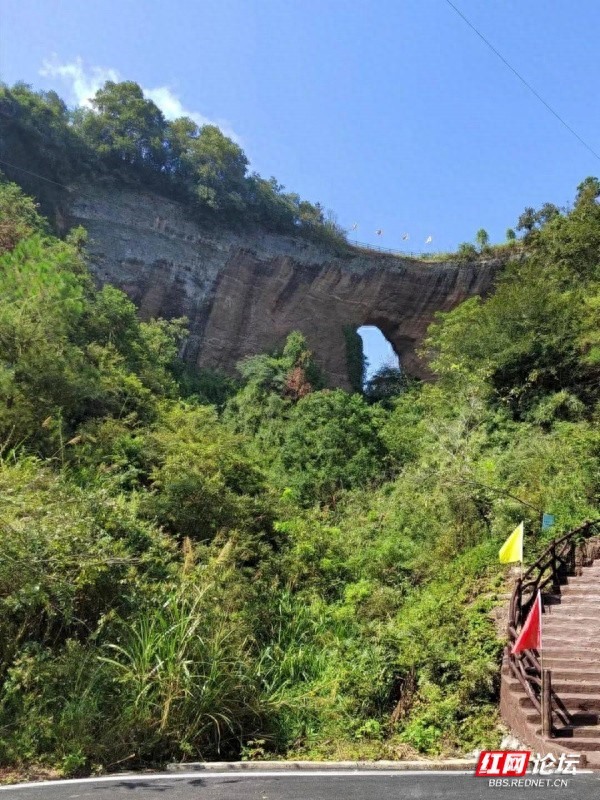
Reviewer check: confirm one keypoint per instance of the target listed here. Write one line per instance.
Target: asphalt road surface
(301, 786)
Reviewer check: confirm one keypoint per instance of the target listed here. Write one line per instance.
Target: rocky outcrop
(243, 293)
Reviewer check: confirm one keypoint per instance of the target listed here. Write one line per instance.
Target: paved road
(295, 786)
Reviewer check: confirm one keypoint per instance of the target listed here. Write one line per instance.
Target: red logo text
(502, 763)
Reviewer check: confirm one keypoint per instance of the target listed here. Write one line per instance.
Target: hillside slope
(196, 566)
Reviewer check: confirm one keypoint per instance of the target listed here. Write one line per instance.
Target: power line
(523, 81)
(34, 174)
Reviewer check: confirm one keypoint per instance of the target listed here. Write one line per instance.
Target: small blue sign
(547, 521)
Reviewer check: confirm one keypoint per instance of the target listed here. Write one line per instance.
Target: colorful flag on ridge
(530, 637)
(512, 549)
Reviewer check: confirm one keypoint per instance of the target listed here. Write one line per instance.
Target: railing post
(519, 596)
(547, 703)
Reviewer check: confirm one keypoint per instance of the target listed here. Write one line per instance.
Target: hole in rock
(378, 352)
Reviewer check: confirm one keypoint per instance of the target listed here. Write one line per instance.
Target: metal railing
(391, 251)
(546, 575)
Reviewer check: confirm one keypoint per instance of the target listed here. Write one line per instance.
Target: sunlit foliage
(200, 566)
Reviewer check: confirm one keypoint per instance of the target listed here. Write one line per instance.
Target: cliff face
(242, 294)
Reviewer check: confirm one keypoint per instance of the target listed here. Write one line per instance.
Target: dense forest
(199, 567)
(124, 135)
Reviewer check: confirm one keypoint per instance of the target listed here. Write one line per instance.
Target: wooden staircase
(571, 651)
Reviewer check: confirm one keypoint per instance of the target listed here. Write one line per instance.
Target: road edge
(448, 764)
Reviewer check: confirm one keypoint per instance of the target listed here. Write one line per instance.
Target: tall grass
(184, 682)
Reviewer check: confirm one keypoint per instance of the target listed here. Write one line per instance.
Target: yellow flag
(512, 549)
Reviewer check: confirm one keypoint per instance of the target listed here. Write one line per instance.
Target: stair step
(577, 719)
(589, 586)
(578, 732)
(564, 632)
(584, 743)
(576, 702)
(572, 601)
(556, 647)
(588, 621)
(560, 686)
(560, 651)
(565, 611)
(591, 568)
(572, 631)
(579, 655)
(580, 580)
(555, 642)
(582, 593)
(583, 676)
(566, 663)
(587, 581)
(570, 669)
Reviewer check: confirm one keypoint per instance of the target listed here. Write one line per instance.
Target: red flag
(530, 637)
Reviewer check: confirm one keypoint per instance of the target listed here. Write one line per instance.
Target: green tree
(531, 219)
(69, 352)
(330, 443)
(198, 165)
(124, 126)
(355, 358)
(180, 136)
(546, 213)
(385, 384)
(467, 251)
(38, 139)
(527, 220)
(219, 168)
(482, 238)
(202, 482)
(588, 191)
(19, 217)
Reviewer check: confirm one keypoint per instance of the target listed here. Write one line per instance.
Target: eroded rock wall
(243, 293)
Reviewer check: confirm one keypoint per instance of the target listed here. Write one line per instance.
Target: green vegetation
(483, 239)
(385, 385)
(355, 358)
(124, 136)
(194, 567)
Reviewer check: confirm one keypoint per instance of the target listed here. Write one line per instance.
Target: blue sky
(390, 112)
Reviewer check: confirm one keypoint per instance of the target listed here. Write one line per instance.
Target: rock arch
(243, 292)
(258, 302)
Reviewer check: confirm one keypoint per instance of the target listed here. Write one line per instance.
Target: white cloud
(82, 85)
(171, 105)
(83, 82)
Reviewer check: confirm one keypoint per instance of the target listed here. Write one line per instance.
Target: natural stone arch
(258, 302)
(243, 292)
